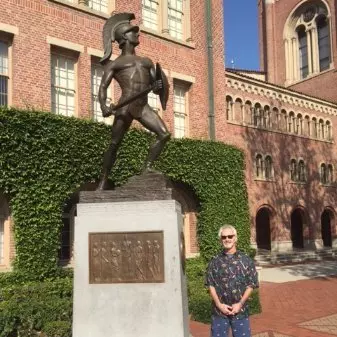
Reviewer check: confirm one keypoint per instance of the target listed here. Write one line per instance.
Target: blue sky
(241, 34)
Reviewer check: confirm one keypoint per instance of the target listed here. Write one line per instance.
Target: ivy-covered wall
(45, 158)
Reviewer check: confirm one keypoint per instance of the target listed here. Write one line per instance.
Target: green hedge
(29, 309)
(45, 158)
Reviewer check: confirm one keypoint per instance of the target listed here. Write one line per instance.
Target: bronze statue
(137, 76)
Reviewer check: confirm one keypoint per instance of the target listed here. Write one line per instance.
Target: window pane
(63, 85)
(179, 111)
(150, 14)
(3, 73)
(303, 50)
(96, 78)
(175, 18)
(323, 44)
(98, 5)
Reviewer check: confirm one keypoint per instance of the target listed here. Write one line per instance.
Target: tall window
(175, 18)
(259, 166)
(268, 168)
(4, 73)
(330, 177)
(326, 174)
(98, 5)
(323, 43)
(180, 110)
(150, 13)
(307, 41)
(293, 170)
(63, 85)
(303, 51)
(96, 77)
(152, 99)
(67, 235)
(301, 171)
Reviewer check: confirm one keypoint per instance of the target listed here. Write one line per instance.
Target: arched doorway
(297, 221)
(262, 222)
(327, 218)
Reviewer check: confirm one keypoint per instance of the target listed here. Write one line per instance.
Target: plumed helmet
(113, 30)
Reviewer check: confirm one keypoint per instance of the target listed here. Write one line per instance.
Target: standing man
(135, 75)
(231, 278)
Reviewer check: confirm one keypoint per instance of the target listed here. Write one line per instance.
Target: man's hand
(157, 86)
(236, 308)
(225, 309)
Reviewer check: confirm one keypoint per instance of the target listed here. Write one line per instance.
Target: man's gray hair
(232, 228)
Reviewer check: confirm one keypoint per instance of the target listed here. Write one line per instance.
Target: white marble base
(130, 309)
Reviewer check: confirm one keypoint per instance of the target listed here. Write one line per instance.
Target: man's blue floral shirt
(230, 275)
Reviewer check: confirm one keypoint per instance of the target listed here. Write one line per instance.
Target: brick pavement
(306, 308)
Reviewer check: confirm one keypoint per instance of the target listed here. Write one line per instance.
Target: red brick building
(49, 52)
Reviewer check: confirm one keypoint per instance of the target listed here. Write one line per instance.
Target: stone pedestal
(128, 277)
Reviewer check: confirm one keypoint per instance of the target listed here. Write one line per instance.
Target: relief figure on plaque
(115, 260)
(139, 258)
(106, 271)
(149, 259)
(96, 261)
(156, 257)
(127, 257)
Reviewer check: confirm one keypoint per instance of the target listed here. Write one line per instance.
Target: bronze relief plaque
(126, 257)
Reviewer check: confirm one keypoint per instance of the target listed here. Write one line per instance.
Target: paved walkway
(293, 308)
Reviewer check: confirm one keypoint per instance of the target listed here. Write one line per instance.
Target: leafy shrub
(26, 310)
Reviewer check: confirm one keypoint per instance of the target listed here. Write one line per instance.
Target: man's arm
(224, 308)
(238, 306)
(102, 93)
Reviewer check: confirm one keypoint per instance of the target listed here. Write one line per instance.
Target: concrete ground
(297, 301)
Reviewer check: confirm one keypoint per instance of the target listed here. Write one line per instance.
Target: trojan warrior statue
(136, 76)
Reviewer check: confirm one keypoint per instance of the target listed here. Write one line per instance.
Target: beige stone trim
(65, 44)
(183, 77)
(9, 29)
(266, 91)
(77, 4)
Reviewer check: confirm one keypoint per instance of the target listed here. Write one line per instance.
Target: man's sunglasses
(224, 237)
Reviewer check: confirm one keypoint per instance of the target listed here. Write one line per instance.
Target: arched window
(284, 120)
(307, 124)
(248, 112)
(259, 166)
(291, 120)
(303, 51)
(314, 127)
(329, 177)
(276, 119)
(293, 170)
(237, 111)
(328, 131)
(323, 174)
(229, 108)
(307, 41)
(301, 171)
(268, 171)
(299, 125)
(321, 129)
(323, 35)
(257, 115)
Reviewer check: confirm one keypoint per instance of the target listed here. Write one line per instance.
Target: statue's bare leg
(119, 128)
(151, 121)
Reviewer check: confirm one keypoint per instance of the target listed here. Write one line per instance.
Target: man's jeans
(220, 326)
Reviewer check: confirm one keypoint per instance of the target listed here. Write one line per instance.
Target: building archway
(297, 226)
(263, 232)
(327, 220)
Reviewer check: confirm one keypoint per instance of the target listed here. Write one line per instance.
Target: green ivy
(45, 158)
